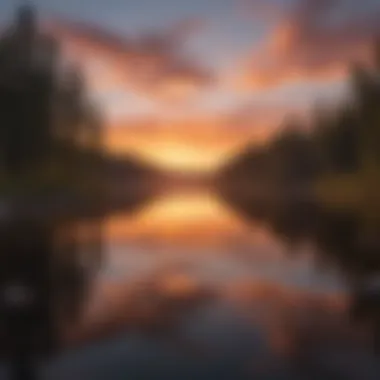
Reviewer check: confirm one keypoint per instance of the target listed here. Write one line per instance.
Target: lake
(192, 286)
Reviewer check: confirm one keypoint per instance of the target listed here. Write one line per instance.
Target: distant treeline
(336, 157)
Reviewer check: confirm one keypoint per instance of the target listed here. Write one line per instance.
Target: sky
(185, 84)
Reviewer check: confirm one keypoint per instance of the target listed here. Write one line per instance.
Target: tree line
(50, 130)
(337, 152)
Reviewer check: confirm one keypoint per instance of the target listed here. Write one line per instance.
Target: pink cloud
(155, 64)
(308, 43)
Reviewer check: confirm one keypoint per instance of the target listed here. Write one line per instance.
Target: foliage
(339, 155)
(47, 123)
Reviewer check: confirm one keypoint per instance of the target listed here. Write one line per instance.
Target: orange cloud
(154, 64)
(307, 44)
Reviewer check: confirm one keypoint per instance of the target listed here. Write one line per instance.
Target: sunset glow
(175, 154)
(273, 60)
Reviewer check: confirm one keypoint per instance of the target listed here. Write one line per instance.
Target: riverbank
(358, 192)
(66, 205)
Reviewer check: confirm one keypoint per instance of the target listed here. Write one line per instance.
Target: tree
(50, 130)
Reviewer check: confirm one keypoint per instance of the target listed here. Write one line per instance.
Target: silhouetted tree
(50, 130)
(344, 140)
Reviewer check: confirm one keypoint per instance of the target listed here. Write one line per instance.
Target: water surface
(191, 288)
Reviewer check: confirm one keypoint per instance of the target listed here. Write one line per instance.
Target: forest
(51, 130)
(334, 157)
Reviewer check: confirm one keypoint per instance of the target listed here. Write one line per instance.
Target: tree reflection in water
(344, 239)
(46, 269)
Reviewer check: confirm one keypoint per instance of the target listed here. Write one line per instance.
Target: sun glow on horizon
(179, 155)
(182, 146)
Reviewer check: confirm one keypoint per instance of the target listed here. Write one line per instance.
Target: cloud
(314, 39)
(259, 10)
(155, 64)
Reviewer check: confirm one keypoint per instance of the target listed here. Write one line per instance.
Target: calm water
(189, 288)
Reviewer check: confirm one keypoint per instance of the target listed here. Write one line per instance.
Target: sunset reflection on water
(188, 218)
(198, 229)
(190, 279)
